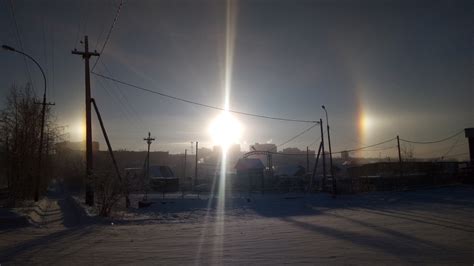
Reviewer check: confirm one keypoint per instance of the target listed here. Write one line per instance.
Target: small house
(250, 173)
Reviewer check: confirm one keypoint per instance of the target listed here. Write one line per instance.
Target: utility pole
(148, 140)
(307, 159)
(399, 157)
(315, 168)
(184, 170)
(40, 152)
(323, 154)
(86, 55)
(331, 170)
(196, 166)
(469, 134)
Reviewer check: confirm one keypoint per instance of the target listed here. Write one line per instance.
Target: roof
(160, 171)
(249, 164)
(290, 170)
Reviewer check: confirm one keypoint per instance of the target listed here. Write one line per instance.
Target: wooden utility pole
(315, 168)
(86, 55)
(307, 159)
(40, 150)
(184, 170)
(469, 134)
(196, 166)
(399, 157)
(148, 140)
(323, 154)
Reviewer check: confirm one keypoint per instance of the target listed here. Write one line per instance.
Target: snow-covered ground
(431, 226)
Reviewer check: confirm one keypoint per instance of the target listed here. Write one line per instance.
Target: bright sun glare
(79, 131)
(225, 130)
(366, 122)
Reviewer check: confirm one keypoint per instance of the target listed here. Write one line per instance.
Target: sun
(78, 131)
(225, 130)
(366, 122)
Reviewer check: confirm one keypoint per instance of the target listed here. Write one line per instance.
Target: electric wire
(108, 34)
(298, 135)
(52, 63)
(452, 147)
(363, 148)
(121, 94)
(380, 149)
(18, 35)
(202, 104)
(432, 142)
(121, 105)
(314, 142)
(79, 21)
(45, 53)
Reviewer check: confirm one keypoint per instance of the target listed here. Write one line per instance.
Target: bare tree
(109, 191)
(20, 135)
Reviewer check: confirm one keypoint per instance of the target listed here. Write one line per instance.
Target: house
(290, 170)
(250, 173)
(162, 179)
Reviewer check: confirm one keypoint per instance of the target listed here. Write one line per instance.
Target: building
(263, 147)
(250, 174)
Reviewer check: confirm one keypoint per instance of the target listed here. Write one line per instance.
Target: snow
(431, 226)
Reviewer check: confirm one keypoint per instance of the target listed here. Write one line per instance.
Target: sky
(381, 68)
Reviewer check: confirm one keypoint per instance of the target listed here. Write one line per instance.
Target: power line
(20, 42)
(45, 53)
(108, 34)
(301, 133)
(369, 146)
(201, 104)
(126, 113)
(129, 105)
(314, 142)
(432, 142)
(380, 149)
(452, 147)
(52, 62)
(278, 153)
(79, 21)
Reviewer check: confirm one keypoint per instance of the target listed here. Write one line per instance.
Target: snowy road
(427, 226)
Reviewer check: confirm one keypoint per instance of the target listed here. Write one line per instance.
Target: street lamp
(40, 150)
(330, 153)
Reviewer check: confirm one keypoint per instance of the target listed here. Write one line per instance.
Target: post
(307, 159)
(148, 140)
(184, 170)
(399, 158)
(315, 168)
(331, 170)
(323, 154)
(196, 166)
(183, 185)
(469, 134)
(111, 153)
(89, 166)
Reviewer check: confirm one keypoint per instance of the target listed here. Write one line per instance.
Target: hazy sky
(406, 67)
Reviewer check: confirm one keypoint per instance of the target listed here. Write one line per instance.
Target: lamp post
(40, 150)
(330, 152)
